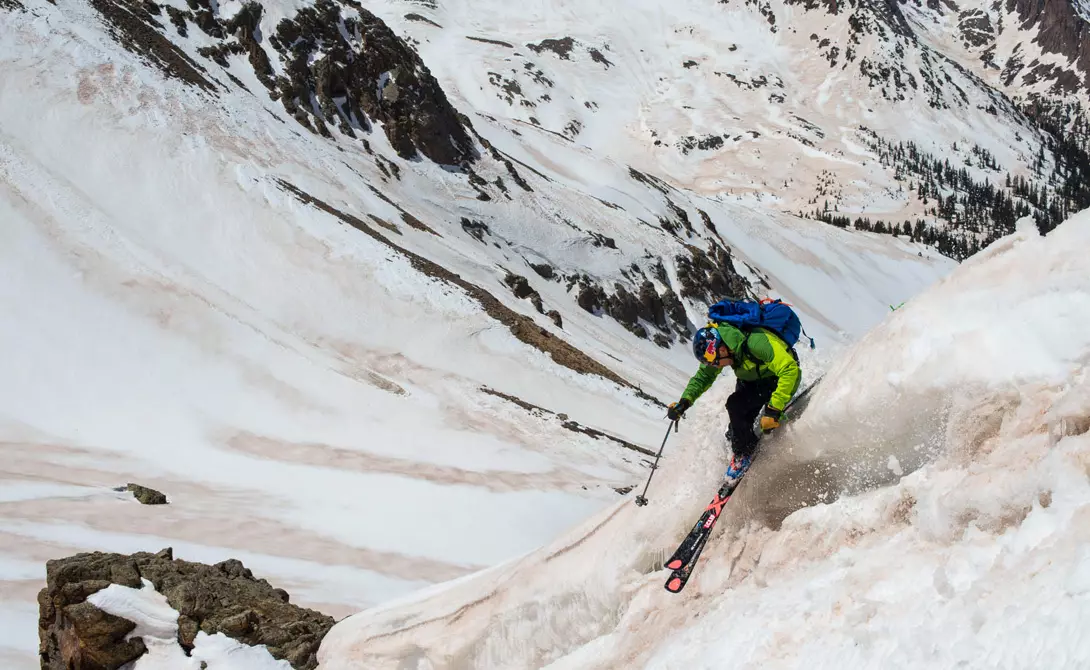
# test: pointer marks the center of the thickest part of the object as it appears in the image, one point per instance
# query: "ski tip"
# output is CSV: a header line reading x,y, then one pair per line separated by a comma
x,y
674,564
674,585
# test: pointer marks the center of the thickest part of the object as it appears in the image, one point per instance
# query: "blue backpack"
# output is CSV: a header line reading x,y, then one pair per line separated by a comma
x,y
775,315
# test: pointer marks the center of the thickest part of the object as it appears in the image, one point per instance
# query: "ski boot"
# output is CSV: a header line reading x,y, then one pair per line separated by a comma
x,y
739,464
728,443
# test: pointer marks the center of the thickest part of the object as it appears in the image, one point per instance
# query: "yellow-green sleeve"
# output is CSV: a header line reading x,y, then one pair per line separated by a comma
x,y
776,357
700,382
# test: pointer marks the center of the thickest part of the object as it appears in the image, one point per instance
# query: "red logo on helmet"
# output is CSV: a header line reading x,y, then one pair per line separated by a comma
x,y
710,351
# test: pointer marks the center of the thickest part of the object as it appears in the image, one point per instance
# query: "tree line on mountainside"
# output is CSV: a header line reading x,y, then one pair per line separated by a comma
x,y
974,211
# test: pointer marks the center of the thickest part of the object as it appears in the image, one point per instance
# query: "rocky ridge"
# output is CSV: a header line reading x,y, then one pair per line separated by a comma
x,y
222,598
346,71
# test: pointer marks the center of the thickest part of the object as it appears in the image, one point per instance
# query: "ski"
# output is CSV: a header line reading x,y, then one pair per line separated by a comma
x,y
680,577
688,547
685,557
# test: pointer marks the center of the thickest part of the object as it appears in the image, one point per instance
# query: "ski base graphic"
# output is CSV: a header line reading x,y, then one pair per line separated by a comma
x,y
687,554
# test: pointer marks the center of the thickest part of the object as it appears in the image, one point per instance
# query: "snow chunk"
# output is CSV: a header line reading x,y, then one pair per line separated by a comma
x,y
894,465
157,623
146,607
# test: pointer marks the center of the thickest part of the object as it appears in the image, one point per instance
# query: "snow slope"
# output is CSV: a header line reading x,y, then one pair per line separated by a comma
x,y
305,395
959,427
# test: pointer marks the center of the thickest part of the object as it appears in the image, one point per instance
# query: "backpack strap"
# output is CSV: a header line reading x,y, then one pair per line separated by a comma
x,y
807,336
744,350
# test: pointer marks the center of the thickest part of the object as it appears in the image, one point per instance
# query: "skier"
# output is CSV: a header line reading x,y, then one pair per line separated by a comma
x,y
767,373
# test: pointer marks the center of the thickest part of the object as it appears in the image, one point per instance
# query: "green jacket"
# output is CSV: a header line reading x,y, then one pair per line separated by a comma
x,y
764,356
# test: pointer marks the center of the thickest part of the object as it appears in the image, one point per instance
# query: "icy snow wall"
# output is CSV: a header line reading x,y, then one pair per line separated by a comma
x,y
931,508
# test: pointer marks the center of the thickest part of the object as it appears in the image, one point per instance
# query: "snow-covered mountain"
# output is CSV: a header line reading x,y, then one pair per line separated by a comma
x,y
383,294
882,113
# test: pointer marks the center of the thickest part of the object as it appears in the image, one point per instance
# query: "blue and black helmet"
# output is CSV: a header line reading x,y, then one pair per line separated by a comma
x,y
706,344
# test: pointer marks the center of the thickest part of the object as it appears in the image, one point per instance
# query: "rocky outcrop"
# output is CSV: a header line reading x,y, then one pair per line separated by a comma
x,y
886,14
76,634
625,308
975,28
639,308
520,287
223,598
135,25
245,27
1060,30
332,58
340,70
674,308
564,46
477,229
650,306
709,276
544,270
1055,26
590,298
145,495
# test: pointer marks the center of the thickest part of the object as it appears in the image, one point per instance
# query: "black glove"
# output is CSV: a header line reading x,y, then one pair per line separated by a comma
x,y
677,409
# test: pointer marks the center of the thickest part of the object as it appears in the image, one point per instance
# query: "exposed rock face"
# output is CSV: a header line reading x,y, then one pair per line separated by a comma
x,y
591,298
146,496
335,57
519,286
561,47
710,276
1054,25
887,13
975,28
135,26
244,27
676,311
543,270
623,305
564,46
651,307
1060,30
76,634
356,70
224,598
635,310
477,229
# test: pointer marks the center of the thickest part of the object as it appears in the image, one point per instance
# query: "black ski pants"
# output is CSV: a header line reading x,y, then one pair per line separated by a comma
x,y
743,406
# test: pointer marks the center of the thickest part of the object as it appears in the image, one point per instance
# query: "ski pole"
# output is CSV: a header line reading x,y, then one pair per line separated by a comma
x,y
804,393
641,499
